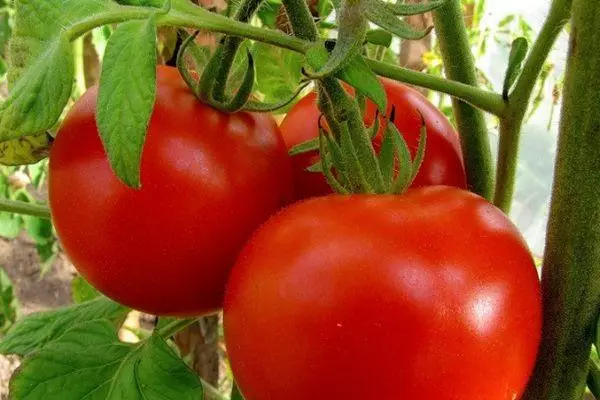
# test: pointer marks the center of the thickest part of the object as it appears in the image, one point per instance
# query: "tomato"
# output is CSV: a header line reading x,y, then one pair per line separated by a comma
x,y
442,165
208,180
428,295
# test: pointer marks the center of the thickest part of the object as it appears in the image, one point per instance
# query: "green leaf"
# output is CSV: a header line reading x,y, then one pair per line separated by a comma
x,y
278,71
89,362
8,301
126,100
25,150
40,229
10,225
379,13
38,98
36,330
324,8
518,52
358,74
82,291
379,37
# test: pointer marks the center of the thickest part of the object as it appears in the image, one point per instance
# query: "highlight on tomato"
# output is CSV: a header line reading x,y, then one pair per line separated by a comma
x,y
431,294
208,180
442,164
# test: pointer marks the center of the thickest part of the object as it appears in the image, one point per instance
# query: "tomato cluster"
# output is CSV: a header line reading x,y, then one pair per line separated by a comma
x,y
428,294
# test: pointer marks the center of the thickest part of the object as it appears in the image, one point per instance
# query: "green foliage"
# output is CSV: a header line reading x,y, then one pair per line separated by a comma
x,y
278,71
105,367
125,101
36,330
82,291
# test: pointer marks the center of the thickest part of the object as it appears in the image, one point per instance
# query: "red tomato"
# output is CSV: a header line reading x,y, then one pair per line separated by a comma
x,y
442,165
428,295
208,180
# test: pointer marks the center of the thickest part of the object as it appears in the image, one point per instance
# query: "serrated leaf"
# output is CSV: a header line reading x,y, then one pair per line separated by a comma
x,y
518,52
278,71
268,12
82,291
126,100
358,74
36,330
378,13
106,369
379,37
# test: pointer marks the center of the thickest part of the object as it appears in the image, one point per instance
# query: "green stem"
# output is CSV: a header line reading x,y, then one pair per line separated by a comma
x,y
230,48
174,327
186,14
301,19
480,98
460,66
519,100
20,207
571,273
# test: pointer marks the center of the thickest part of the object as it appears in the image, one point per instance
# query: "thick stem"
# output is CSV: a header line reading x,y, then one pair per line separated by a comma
x,y
301,20
571,273
230,47
20,207
519,100
480,98
460,66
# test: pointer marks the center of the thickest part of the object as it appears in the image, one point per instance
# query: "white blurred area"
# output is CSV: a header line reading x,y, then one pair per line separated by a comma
x,y
539,134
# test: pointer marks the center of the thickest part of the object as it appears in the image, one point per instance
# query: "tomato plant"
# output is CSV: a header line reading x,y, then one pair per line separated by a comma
x,y
159,180
208,179
442,165
384,297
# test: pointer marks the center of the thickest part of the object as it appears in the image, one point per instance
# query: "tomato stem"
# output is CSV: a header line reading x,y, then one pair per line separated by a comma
x,y
230,48
21,207
480,98
519,99
460,66
571,272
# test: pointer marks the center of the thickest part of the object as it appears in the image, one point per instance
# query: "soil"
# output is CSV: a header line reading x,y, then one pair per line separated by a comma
x,y
20,261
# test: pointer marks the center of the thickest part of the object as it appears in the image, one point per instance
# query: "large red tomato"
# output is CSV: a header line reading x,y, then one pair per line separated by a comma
x,y
428,295
442,165
208,180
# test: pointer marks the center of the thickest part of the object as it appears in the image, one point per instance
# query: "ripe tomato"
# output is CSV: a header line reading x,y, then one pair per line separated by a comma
x,y
442,165
428,295
208,180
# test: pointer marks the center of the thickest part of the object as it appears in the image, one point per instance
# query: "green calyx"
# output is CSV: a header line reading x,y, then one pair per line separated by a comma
x,y
349,160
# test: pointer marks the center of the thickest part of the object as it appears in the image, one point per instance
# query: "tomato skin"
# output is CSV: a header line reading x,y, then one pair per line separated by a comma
x,y
442,165
208,180
428,295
